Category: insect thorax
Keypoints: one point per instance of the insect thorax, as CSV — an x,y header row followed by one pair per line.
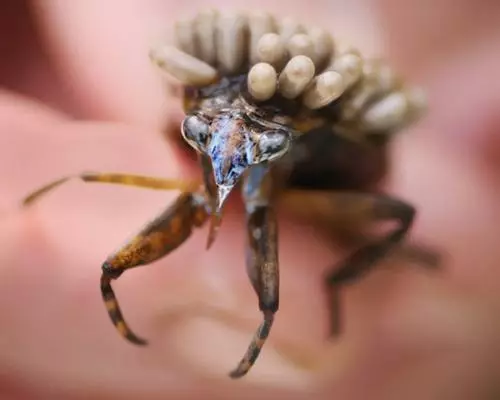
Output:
x,y
231,93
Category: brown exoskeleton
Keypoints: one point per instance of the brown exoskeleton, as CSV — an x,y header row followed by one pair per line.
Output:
x,y
262,117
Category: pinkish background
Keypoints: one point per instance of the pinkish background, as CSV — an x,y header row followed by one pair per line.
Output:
x,y
78,93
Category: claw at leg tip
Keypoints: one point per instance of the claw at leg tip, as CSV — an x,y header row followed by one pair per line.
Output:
x,y
238,373
137,340
210,240
214,228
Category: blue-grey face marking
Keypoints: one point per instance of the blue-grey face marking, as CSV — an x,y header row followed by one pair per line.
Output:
x,y
233,146
228,149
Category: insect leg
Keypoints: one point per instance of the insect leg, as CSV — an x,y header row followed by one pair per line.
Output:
x,y
359,263
346,222
351,209
261,259
157,239
116,178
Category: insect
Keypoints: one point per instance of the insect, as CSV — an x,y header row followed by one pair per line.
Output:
x,y
283,112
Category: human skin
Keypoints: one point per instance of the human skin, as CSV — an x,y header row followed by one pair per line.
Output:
x,y
408,333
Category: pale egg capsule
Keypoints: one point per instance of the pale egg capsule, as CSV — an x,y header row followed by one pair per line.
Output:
x,y
296,76
301,45
323,46
289,27
262,80
204,27
258,25
325,88
231,42
271,50
185,36
182,66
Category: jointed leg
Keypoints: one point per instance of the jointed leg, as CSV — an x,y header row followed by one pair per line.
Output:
x,y
116,178
373,208
340,275
160,237
350,212
262,260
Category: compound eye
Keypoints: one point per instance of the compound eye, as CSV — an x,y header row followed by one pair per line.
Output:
x,y
272,145
195,130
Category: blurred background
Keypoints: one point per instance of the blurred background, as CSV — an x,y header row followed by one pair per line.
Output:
x,y
70,61
78,92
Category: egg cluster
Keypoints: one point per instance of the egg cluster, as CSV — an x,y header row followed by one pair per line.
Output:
x,y
300,63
